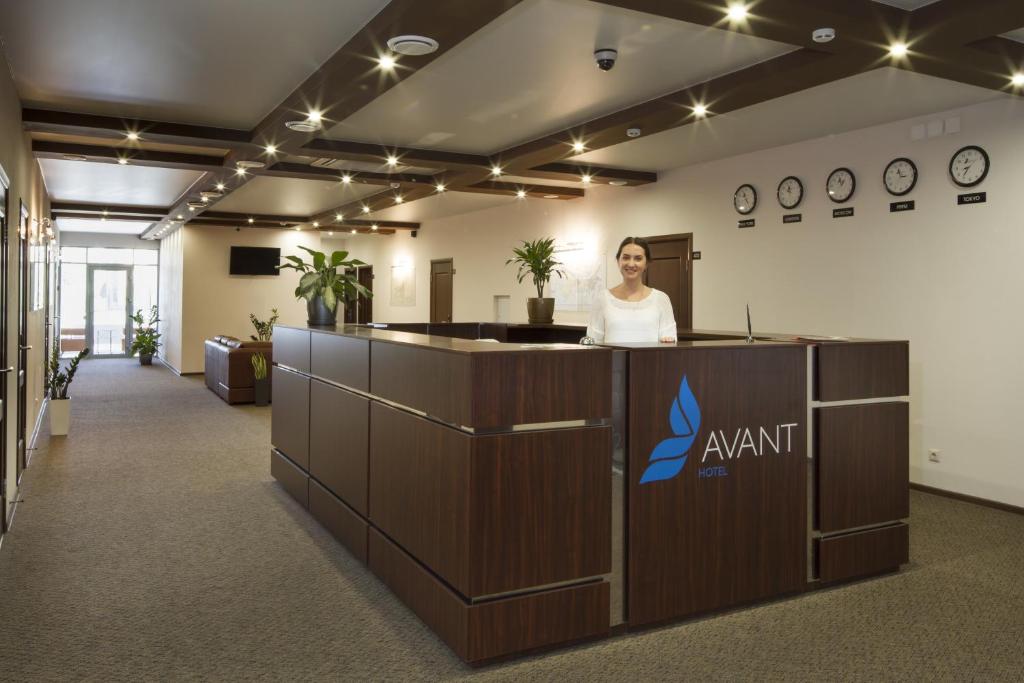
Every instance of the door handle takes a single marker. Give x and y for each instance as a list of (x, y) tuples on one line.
[(25, 348), (4, 371)]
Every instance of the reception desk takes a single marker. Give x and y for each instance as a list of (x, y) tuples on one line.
[(530, 492)]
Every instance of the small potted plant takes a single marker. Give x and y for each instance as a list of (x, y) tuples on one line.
[(264, 333), (146, 340), (322, 285), (58, 380), (537, 260)]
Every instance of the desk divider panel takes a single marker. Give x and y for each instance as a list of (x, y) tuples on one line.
[(291, 347), (289, 422), (342, 360), (339, 432), (432, 381), (855, 370)]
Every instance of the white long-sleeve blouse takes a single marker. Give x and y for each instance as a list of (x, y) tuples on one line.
[(614, 321)]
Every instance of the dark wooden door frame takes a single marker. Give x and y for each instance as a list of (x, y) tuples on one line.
[(688, 236), (432, 301), (23, 347), (361, 311), (4, 372)]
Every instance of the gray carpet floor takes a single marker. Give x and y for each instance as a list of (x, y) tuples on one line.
[(152, 544)]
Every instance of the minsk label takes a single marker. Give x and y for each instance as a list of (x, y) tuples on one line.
[(901, 206)]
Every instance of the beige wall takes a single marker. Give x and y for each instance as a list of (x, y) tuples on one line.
[(171, 269), (214, 302), (26, 186), (944, 277)]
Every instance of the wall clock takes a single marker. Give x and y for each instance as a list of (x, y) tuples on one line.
[(969, 166), (745, 199), (841, 185), (790, 192), (900, 176)]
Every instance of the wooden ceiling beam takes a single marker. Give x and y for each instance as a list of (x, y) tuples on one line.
[(114, 128), (96, 210), (143, 218), (575, 171), (305, 172), (506, 189)]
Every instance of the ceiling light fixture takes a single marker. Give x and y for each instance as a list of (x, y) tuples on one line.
[(413, 46), (315, 116), (398, 199), (1018, 79), (737, 11), (366, 209), (386, 62), (700, 111), (207, 195), (578, 146), (521, 194), (585, 178), (330, 233), (496, 171), (392, 160), (249, 164), (898, 50), (353, 231), (551, 196), (316, 224), (240, 171), (251, 221), (346, 179), (132, 135), (180, 217), (122, 160), (313, 122), (298, 228), (338, 217), (373, 227), (618, 182), (271, 149), (440, 187), (220, 187)]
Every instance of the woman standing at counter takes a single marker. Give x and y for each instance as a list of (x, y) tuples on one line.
[(632, 311)]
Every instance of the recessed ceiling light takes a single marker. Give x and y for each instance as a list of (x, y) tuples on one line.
[(271, 149), (440, 187), (122, 160), (298, 228), (366, 209), (338, 217), (898, 50), (387, 62), (315, 116), (353, 231), (551, 196), (585, 178), (1018, 79), (180, 217), (346, 179), (618, 182), (521, 194), (240, 171), (373, 227), (316, 224), (251, 221), (132, 135), (220, 187), (699, 110), (398, 199), (578, 146), (330, 233), (496, 171), (392, 160), (737, 11), (414, 46)]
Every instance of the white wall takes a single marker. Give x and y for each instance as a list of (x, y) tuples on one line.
[(170, 285), (944, 277), (215, 302)]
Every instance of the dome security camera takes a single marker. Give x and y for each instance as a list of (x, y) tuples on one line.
[(605, 58)]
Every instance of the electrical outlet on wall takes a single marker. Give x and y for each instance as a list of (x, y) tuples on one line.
[(934, 455)]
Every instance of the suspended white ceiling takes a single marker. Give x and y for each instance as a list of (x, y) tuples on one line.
[(83, 181)]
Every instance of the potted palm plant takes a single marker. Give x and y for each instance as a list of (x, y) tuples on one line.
[(324, 282), (146, 340), (264, 333), (537, 260), (58, 380)]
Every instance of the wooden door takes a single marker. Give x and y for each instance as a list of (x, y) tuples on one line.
[(442, 272), (365, 309), (23, 347), (5, 370), (670, 271)]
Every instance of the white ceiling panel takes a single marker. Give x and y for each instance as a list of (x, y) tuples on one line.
[(292, 196), (532, 72), (100, 183), (225, 63), (860, 101), (96, 225)]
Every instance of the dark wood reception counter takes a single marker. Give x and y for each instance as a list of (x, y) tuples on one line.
[(525, 491)]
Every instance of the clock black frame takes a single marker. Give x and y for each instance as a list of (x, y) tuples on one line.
[(912, 185), (779, 189), (751, 209), (977, 182), (853, 188)]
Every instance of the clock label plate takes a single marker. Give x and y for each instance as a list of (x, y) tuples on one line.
[(696, 256), (901, 206), (971, 198), (746, 223), (845, 212), (792, 218)]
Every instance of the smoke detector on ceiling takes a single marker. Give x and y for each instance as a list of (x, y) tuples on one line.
[(413, 46), (633, 132), (823, 35)]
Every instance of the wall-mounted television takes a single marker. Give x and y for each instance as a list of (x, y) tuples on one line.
[(255, 260)]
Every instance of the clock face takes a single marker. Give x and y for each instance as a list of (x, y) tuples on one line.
[(791, 191), (745, 199), (900, 176), (841, 185), (969, 166)]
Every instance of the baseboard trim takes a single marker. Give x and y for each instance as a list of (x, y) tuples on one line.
[(167, 365), (1005, 507), (31, 446)]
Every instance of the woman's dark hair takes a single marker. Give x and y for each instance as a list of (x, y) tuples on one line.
[(638, 241)]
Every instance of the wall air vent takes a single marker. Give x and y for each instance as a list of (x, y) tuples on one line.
[(414, 46)]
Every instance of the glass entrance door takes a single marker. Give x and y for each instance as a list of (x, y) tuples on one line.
[(108, 307)]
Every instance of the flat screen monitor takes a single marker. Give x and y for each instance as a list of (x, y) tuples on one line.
[(255, 260)]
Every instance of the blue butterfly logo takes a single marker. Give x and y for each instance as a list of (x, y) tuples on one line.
[(669, 456)]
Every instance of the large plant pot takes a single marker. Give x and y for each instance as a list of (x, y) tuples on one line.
[(261, 391), (540, 311), (60, 416), (319, 314), (145, 359)]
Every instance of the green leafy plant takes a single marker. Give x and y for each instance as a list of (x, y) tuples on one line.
[(322, 279), (537, 259), (264, 328), (146, 340), (259, 365), (57, 379)]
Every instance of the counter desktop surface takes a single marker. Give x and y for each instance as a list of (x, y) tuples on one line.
[(533, 492)]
